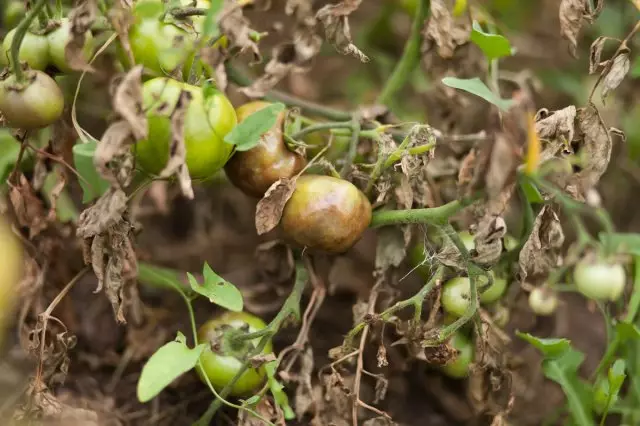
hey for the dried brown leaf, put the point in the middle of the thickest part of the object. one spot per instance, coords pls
(127, 102)
(571, 14)
(28, 207)
(444, 31)
(113, 158)
(304, 401)
(270, 207)
(390, 249)
(81, 18)
(557, 125)
(595, 52)
(539, 255)
(488, 235)
(121, 19)
(104, 214)
(616, 73)
(597, 146)
(235, 26)
(267, 409)
(335, 19)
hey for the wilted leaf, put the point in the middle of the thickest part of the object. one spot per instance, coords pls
(270, 207)
(596, 146)
(92, 184)
(539, 254)
(615, 73)
(595, 52)
(121, 19)
(493, 46)
(127, 102)
(390, 249)
(28, 207)
(443, 30)
(335, 18)
(217, 290)
(571, 14)
(488, 240)
(104, 214)
(556, 125)
(114, 151)
(167, 364)
(476, 87)
(248, 132)
(235, 27)
(81, 19)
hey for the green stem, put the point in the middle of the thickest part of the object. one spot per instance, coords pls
(410, 56)
(433, 216)
(353, 147)
(322, 126)
(21, 31)
(378, 168)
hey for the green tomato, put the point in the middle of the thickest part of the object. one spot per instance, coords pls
(417, 259)
(456, 295)
(495, 291)
(13, 13)
(543, 301)
(459, 367)
(11, 254)
(206, 123)
(221, 361)
(36, 103)
(600, 280)
(467, 239)
(58, 40)
(34, 50)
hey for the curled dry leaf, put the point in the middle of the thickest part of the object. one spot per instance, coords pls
(267, 409)
(104, 214)
(81, 18)
(235, 27)
(304, 401)
(28, 207)
(127, 102)
(443, 30)
(335, 19)
(488, 235)
(215, 58)
(539, 255)
(178, 150)
(596, 144)
(390, 249)
(121, 19)
(595, 52)
(301, 9)
(112, 151)
(572, 13)
(270, 207)
(557, 125)
(615, 73)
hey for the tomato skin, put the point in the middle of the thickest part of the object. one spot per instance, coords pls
(494, 292)
(543, 301)
(459, 367)
(255, 170)
(13, 14)
(456, 295)
(11, 254)
(600, 280)
(221, 366)
(326, 214)
(58, 40)
(205, 126)
(37, 105)
(34, 50)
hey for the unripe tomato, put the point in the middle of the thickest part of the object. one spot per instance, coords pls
(255, 170)
(316, 142)
(543, 301)
(459, 367)
(206, 123)
(36, 103)
(495, 291)
(13, 13)
(467, 239)
(456, 293)
(58, 40)
(11, 255)
(326, 213)
(34, 50)
(600, 280)
(221, 361)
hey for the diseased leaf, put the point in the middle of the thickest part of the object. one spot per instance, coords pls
(595, 52)
(167, 364)
(615, 74)
(335, 19)
(550, 347)
(270, 207)
(476, 87)
(539, 254)
(493, 46)
(596, 146)
(92, 184)
(443, 30)
(81, 18)
(558, 124)
(571, 14)
(248, 132)
(127, 102)
(235, 27)
(217, 290)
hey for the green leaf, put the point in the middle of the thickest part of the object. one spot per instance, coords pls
(627, 243)
(217, 290)
(564, 371)
(627, 331)
(531, 192)
(635, 68)
(476, 87)
(165, 365)
(616, 378)
(493, 46)
(93, 185)
(277, 390)
(247, 133)
(210, 26)
(551, 348)
(9, 150)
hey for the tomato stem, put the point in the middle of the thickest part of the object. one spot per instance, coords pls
(434, 215)
(322, 126)
(21, 31)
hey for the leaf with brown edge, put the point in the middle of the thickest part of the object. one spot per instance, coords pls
(444, 31)
(571, 13)
(121, 19)
(104, 214)
(235, 26)
(28, 207)
(557, 125)
(335, 19)
(81, 18)
(488, 235)
(270, 207)
(540, 253)
(127, 102)
(615, 73)
(597, 145)
(595, 52)
(114, 145)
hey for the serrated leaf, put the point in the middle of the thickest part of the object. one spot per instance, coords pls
(247, 133)
(476, 87)
(277, 390)
(210, 26)
(167, 364)
(550, 347)
(92, 184)
(629, 242)
(493, 46)
(217, 290)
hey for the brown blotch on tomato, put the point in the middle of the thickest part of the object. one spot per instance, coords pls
(326, 214)
(255, 170)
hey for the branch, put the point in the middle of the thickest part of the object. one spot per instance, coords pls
(434, 216)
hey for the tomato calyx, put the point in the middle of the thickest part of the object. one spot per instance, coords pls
(224, 341)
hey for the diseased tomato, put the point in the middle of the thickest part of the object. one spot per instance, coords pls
(11, 255)
(459, 367)
(58, 40)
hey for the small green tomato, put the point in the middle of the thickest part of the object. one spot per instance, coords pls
(459, 367)
(221, 361)
(58, 40)
(456, 293)
(34, 50)
(600, 280)
(543, 301)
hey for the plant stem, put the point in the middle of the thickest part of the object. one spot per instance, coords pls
(433, 216)
(353, 147)
(322, 126)
(21, 31)
(410, 56)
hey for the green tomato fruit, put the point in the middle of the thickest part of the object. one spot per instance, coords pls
(221, 361)
(12, 256)
(13, 13)
(467, 239)
(459, 367)
(456, 295)
(34, 50)
(326, 214)
(495, 291)
(543, 301)
(36, 103)
(206, 123)
(58, 40)
(600, 280)
(255, 170)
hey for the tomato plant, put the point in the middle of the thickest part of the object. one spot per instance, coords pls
(36, 103)
(600, 280)
(34, 50)
(206, 122)
(459, 367)
(221, 360)
(58, 40)
(326, 213)
(255, 170)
